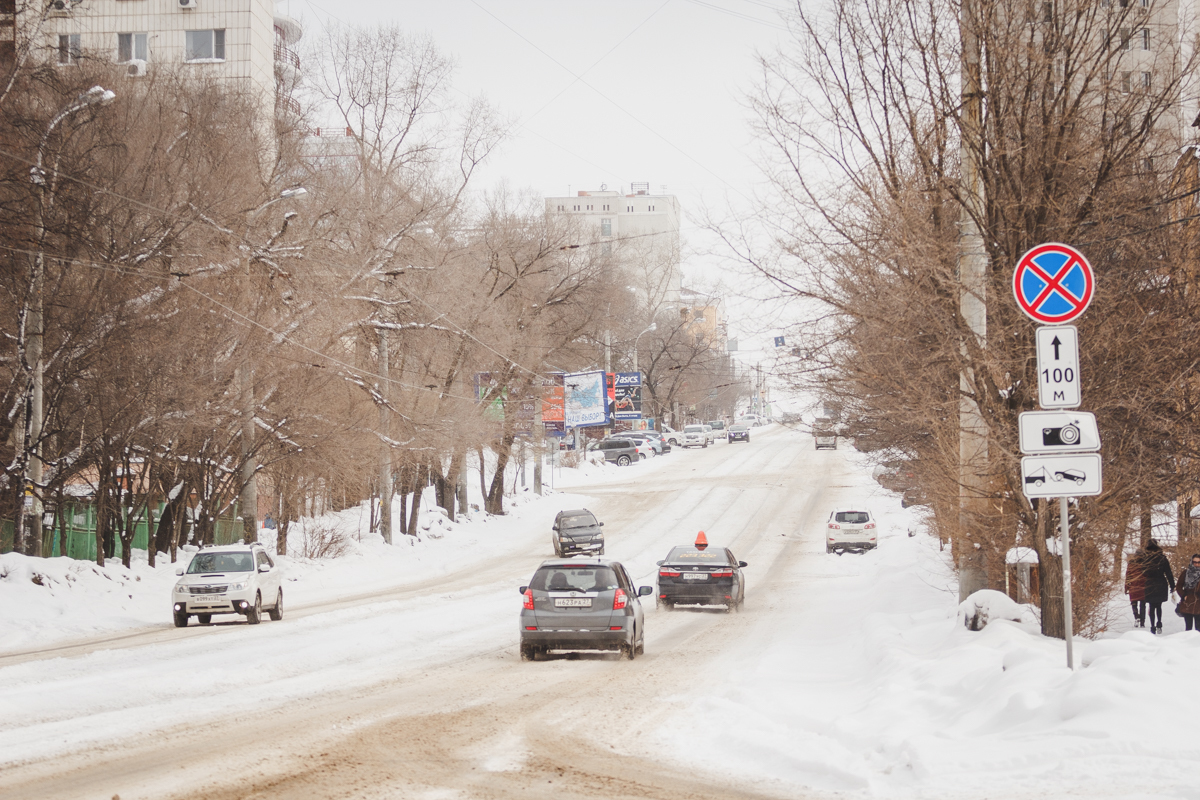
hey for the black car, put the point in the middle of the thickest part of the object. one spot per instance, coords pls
(577, 531)
(708, 576)
(622, 452)
(739, 432)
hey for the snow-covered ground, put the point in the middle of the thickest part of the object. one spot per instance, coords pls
(862, 682)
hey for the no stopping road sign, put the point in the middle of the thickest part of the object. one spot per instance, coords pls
(1053, 283)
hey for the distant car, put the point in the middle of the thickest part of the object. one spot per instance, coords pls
(824, 439)
(654, 439)
(577, 531)
(710, 433)
(644, 448)
(738, 432)
(706, 576)
(621, 452)
(896, 475)
(850, 530)
(672, 436)
(717, 425)
(582, 604)
(694, 436)
(753, 420)
(232, 579)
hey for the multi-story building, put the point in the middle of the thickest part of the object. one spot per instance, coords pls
(643, 227)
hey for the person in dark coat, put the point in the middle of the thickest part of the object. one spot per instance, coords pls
(1188, 585)
(1156, 573)
(1135, 587)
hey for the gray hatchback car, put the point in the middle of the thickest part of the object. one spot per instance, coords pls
(582, 604)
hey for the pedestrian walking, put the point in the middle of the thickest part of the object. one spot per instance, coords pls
(1156, 574)
(1135, 587)
(1189, 594)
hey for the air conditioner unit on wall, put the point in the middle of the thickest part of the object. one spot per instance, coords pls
(137, 68)
(188, 3)
(62, 7)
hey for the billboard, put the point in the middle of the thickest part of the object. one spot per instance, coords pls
(627, 395)
(585, 399)
(489, 392)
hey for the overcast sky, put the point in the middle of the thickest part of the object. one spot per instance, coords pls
(602, 93)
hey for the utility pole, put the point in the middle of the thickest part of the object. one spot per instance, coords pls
(539, 438)
(385, 447)
(972, 277)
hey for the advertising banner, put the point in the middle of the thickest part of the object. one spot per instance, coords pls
(552, 399)
(585, 399)
(627, 395)
(492, 395)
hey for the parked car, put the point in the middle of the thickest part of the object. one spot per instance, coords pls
(621, 452)
(672, 436)
(753, 420)
(694, 436)
(577, 531)
(654, 439)
(896, 475)
(231, 579)
(710, 433)
(824, 439)
(582, 604)
(850, 530)
(694, 575)
(717, 425)
(738, 432)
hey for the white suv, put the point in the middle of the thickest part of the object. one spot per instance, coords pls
(850, 530)
(695, 436)
(233, 579)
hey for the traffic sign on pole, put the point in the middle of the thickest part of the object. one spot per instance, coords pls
(1058, 366)
(1075, 475)
(1044, 432)
(1053, 283)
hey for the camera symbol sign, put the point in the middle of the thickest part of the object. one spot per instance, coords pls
(1053, 283)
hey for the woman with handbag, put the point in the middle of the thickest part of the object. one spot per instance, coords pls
(1135, 587)
(1188, 586)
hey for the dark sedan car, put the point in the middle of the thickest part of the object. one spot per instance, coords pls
(708, 576)
(577, 531)
(739, 432)
(582, 604)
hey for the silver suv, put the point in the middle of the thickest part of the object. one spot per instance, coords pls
(582, 604)
(233, 579)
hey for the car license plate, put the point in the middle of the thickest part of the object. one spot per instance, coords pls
(572, 602)
(206, 598)
(695, 576)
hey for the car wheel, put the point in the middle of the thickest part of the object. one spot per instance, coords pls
(1038, 482)
(623, 461)
(641, 648)
(706, 443)
(600, 552)
(204, 619)
(528, 652)
(254, 613)
(629, 651)
(181, 619)
(277, 612)
(641, 456)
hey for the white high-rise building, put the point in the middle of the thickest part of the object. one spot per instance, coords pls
(643, 227)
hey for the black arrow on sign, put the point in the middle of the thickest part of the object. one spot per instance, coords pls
(1057, 344)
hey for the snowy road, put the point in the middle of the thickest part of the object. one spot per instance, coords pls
(418, 691)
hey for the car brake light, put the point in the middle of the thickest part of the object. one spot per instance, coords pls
(722, 573)
(619, 599)
(835, 526)
(869, 525)
(668, 573)
(529, 599)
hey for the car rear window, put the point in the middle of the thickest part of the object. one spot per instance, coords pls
(690, 555)
(852, 517)
(574, 578)
(694, 429)
(578, 521)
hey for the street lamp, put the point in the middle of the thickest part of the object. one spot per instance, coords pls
(248, 497)
(653, 327)
(95, 96)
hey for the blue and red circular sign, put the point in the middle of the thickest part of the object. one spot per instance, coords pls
(1053, 283)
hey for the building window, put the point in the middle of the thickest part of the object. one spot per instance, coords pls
(606, 227)
(205, 45)
(69, 48)
(132, 46)
(1126, 35)
(1145, 38)
(629, 208)
(1146, 81)
(606, 249)
(1126, 79)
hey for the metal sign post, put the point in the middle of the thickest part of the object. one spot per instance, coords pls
(1054, 284)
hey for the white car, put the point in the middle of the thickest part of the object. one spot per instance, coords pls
(695, 436)
(672, 436)
(232, 579)
(850, 530)
(711, 434)
(644, 448)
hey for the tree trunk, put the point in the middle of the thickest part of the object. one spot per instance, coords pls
(494, 503)
(1049, 575)
(483, 490)
(452, 482)
(420, 481)
(1146, 520)
(151, 541)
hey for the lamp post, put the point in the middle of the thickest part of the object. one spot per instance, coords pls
(248, 497)
(653, 327)
(29, 431)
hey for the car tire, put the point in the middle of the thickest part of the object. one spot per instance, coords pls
(204, 619)
(277, 612)
(528, 652)
(254, 613)
(641, 648)
(623, 461)
(181, 619)
(706, 443)
(641, 456)
(629, 651)
(600, 552)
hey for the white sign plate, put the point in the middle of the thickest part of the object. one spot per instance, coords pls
(1058, 432)
(1076, 475)
(1058, 366)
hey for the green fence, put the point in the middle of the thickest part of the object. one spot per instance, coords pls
(75, 535)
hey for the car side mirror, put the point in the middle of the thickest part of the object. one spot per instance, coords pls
(743, 564)
(645, 590)
(264, 568)
(601, 524)
(523, 589)
(660, 563)
(179, 570)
